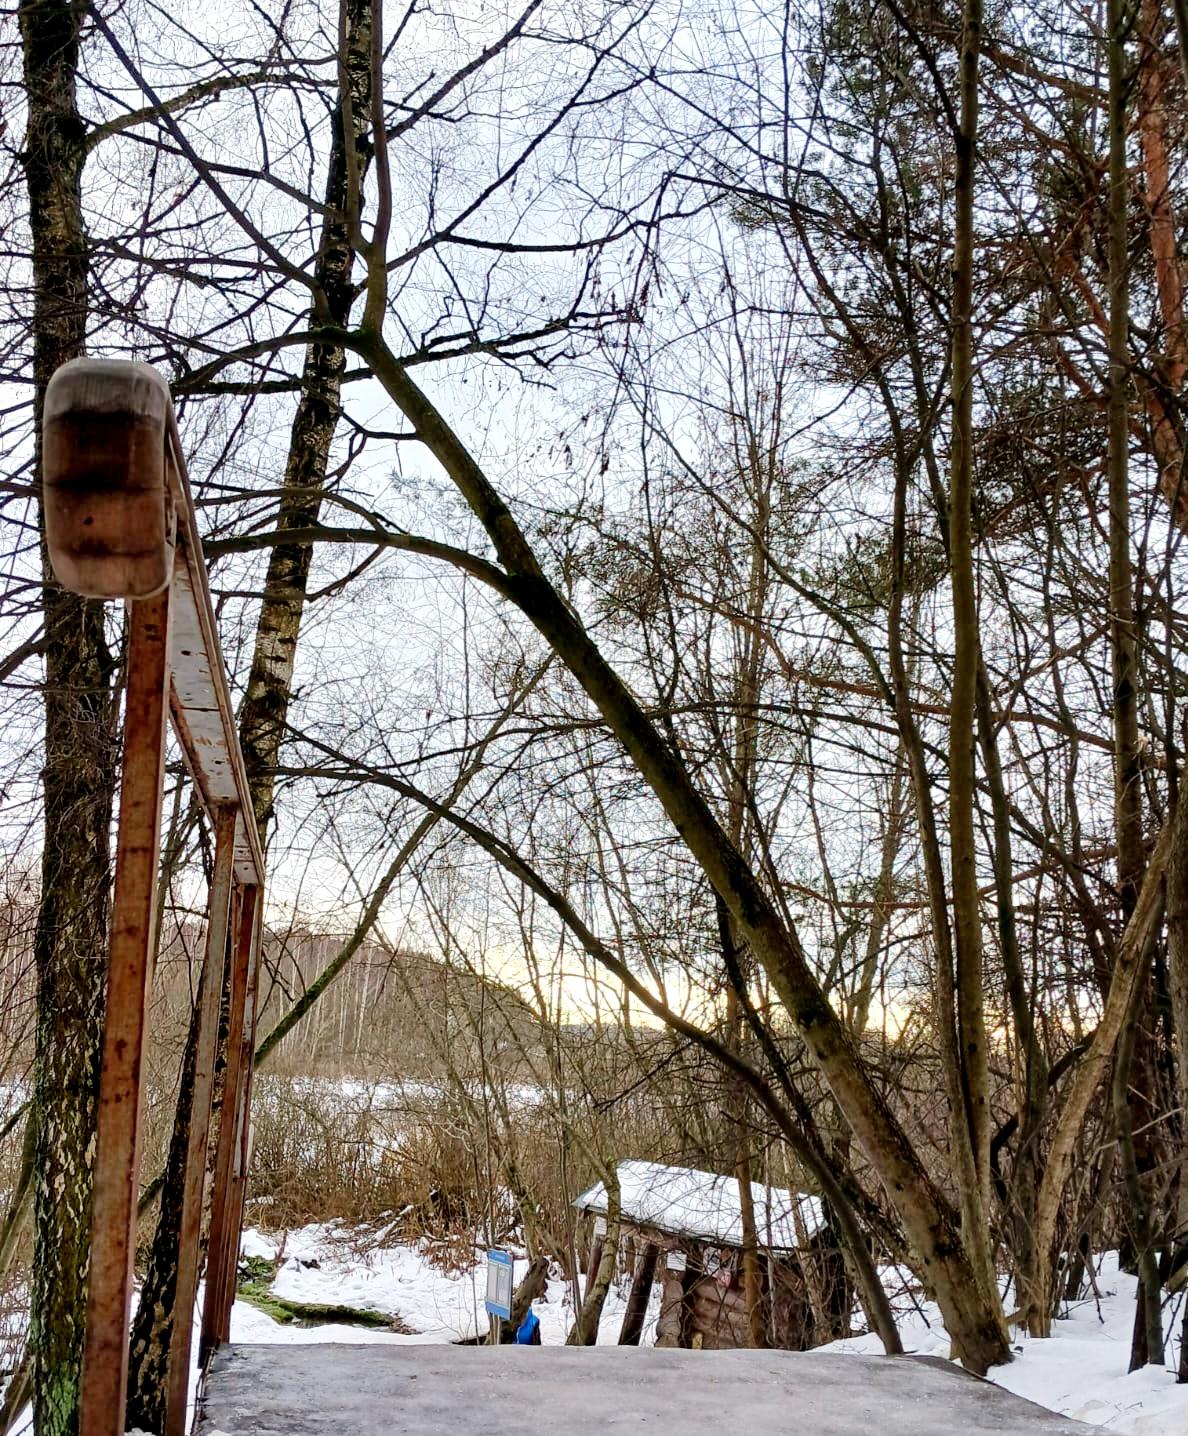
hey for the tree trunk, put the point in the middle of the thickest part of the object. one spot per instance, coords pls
(1128, 791)
(265, 706)
(1163, 396)
(883, 899)
(973, 1048)
(1147, 1342)
(641, 1289)
(1177, 962)
(738, 1137)
(79, 776)
(752, 1268)
(1128, 961)
(584, 1331)
(531, 1286)
(1020, 1199)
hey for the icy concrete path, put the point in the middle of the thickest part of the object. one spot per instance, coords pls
(559, 1391)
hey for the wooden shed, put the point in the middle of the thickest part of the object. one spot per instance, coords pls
(683, 1228)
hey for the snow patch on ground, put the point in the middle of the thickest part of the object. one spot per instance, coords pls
(329, 1263)
(1080, 1371)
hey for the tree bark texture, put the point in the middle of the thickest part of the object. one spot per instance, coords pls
(1128, 791)
(642, 1280)
(265, 707)
(80, 759)
(973, 1048)
(584, 1331)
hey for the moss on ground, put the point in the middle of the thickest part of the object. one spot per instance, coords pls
(256, 1275)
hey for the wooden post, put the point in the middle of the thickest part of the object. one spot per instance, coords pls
(221, 1258)
(133, 945)
(241, 1135)
(120, 523)
(637, 1300)
(189, 1236)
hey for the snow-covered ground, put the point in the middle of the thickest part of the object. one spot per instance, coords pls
(329, 1263)
(1079, 1372)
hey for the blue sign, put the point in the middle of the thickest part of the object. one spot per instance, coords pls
(500, 1270)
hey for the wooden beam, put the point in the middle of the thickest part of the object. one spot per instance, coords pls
(133, 946)
(203, 711)
(243, 1130)
(190, 1230)
(221, 1258)
(597, 1235)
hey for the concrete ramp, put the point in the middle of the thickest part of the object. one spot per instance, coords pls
(329, 1390)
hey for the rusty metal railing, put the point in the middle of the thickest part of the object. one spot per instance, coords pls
(120, 524)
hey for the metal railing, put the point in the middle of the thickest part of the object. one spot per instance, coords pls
(120, 524)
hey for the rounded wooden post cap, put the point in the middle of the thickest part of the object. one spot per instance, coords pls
(110, 524)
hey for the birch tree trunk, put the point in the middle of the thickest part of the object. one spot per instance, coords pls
(265, 708)
(80, 759)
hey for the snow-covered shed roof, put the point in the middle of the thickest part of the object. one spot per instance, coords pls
(705, 1207)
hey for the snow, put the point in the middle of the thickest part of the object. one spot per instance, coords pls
(1080, 1371)
(332, 1263)
(407, 1096)
(436, 1391)
(705, 1206)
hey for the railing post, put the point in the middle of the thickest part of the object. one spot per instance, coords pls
(133, 943)
(119, 522)
(222, 1254)
(177, 1376)
(243, 1128)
